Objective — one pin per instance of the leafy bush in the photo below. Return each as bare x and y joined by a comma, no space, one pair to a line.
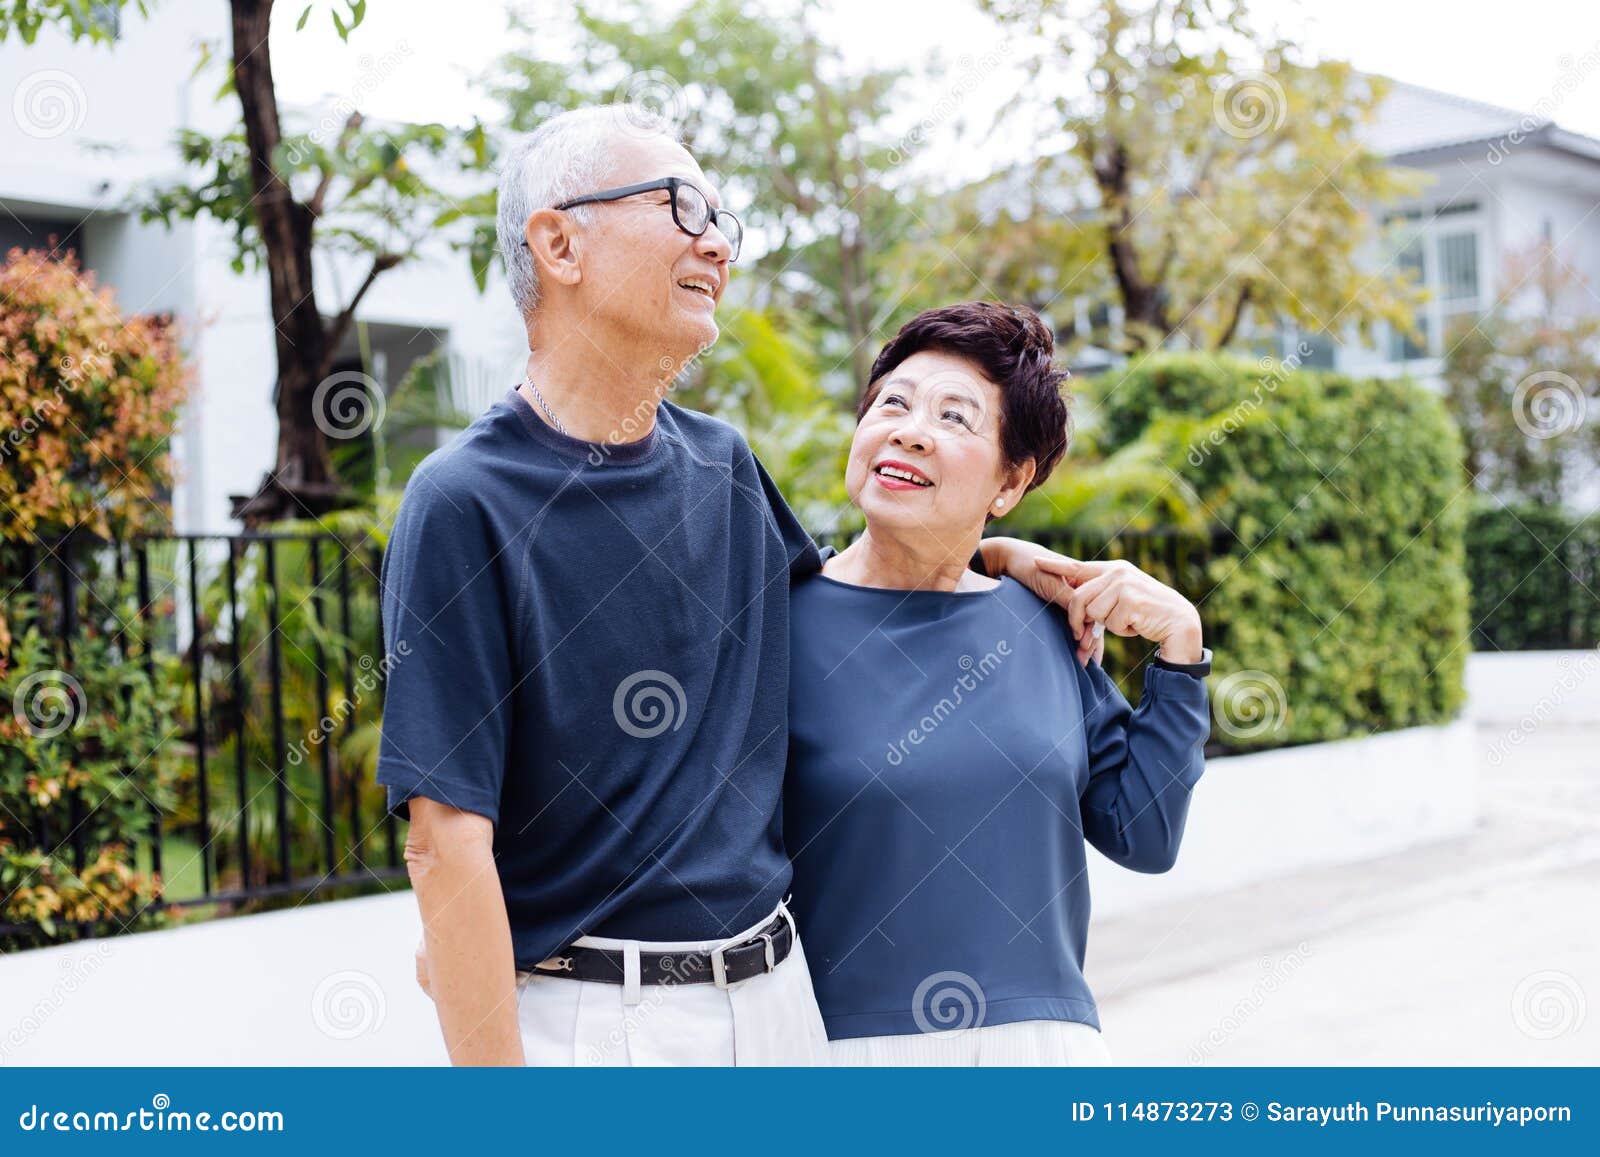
1334,596
86,753
88,400
1534,570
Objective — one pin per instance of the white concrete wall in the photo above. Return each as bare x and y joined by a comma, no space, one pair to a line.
1515,691
1257,816
326,984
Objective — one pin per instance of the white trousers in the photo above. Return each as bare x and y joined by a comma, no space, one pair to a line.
770,1019
1025,1043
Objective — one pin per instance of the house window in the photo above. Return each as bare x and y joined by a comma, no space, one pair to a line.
1403,347
1441,253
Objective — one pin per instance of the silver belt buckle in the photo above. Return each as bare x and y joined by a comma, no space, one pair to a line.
719,967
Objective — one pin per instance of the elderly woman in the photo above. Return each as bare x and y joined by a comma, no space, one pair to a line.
954,743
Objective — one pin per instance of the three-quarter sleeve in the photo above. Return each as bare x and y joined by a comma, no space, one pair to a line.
1142,764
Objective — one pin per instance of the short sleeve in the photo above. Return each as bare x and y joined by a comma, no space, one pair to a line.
804,558
447,615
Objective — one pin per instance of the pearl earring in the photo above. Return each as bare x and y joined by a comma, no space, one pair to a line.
999,503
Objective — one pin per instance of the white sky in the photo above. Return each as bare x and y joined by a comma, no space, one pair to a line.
1507,54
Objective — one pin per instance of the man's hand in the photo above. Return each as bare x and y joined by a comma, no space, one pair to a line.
1101,596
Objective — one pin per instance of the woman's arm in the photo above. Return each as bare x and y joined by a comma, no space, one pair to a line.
1143,764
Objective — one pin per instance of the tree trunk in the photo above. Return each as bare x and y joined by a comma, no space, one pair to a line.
302,482
1144,302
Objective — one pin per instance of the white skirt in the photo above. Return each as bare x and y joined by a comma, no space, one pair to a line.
1023,1043
771,1019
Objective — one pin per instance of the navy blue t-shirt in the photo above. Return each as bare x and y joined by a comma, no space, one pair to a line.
948,759
589,645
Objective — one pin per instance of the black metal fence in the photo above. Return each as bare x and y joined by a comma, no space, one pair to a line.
259,632
269,645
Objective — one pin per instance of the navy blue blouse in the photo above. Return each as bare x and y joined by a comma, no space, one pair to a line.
948,760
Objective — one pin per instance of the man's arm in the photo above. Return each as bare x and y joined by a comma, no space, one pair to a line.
471,965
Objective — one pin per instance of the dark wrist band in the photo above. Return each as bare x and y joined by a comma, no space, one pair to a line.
1199,670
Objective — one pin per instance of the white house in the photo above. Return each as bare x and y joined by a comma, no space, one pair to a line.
1501,184
93,123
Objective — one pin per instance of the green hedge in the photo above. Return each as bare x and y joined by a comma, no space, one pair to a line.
1335,596
1535,571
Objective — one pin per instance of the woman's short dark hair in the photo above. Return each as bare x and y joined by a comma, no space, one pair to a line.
1015,350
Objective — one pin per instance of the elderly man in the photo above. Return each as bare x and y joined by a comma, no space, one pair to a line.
586,727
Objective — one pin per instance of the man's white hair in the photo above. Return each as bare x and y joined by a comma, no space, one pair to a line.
565,157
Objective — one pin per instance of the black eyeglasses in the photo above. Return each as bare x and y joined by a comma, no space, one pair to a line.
691,212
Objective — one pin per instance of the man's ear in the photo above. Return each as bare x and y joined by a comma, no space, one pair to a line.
553,242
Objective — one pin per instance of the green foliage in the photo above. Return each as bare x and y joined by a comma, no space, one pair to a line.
88,401
1535,573
1337,512
87,751
801,142
78,18
1202,177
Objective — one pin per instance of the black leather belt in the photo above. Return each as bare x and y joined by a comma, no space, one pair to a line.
761,953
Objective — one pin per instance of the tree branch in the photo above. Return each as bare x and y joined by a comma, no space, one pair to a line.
1239,305
341,324
352,125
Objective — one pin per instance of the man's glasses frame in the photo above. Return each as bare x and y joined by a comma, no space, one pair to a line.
727,224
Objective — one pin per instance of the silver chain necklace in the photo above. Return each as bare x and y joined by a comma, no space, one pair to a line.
549,413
